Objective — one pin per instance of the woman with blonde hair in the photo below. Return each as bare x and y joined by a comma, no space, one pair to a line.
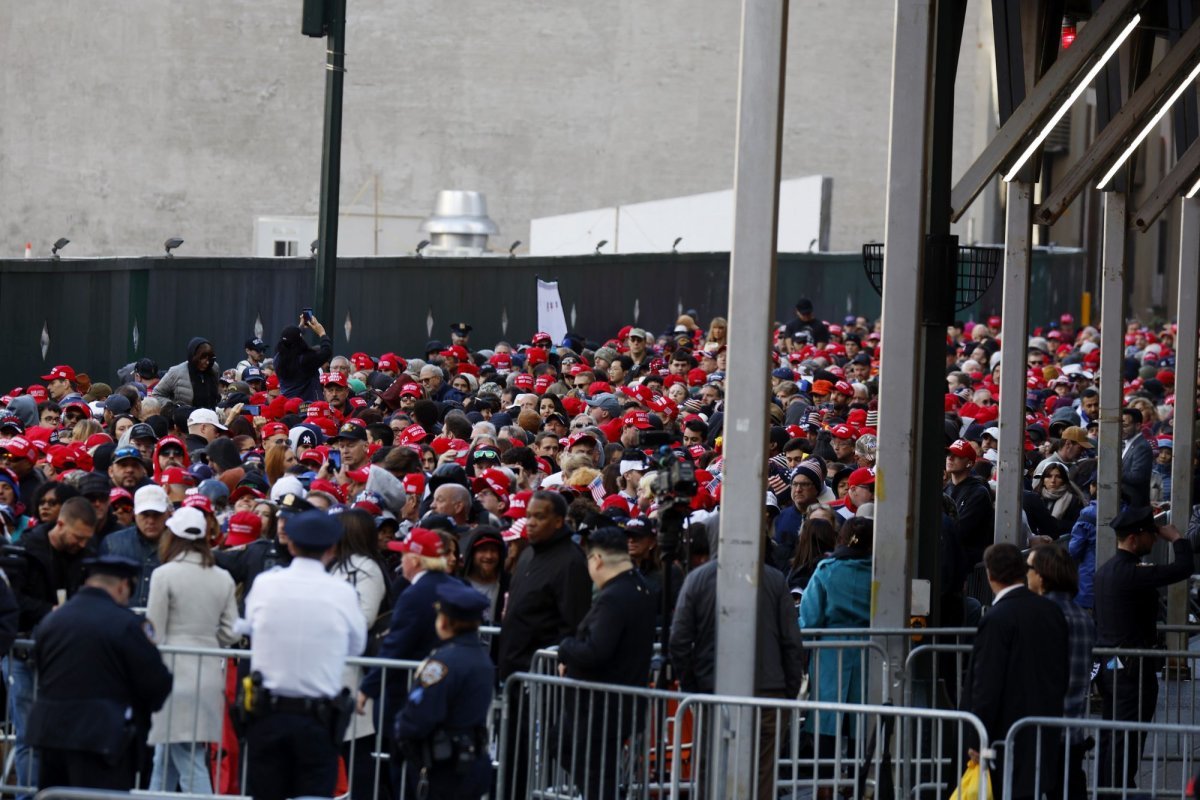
85,429
191,604
717,331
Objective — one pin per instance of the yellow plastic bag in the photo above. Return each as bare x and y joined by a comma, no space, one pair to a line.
968,787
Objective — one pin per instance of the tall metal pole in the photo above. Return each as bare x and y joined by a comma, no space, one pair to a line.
751,300
904,260
1018,242
1112,351
1188,316
331,167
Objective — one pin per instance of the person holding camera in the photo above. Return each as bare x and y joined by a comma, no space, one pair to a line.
297,364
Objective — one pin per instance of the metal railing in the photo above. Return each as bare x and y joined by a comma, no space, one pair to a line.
1064,758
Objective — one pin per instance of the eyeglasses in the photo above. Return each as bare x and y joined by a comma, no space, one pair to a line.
486,455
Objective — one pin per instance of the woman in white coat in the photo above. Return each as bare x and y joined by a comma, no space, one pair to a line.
191,604
357,562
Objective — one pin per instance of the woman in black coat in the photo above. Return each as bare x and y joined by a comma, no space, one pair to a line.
297,364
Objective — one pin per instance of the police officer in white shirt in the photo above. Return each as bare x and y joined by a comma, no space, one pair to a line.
304,624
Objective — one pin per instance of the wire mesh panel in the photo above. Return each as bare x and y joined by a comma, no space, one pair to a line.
977,268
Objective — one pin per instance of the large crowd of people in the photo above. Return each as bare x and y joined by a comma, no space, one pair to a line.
530,472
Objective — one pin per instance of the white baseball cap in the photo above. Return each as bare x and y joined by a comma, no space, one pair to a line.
188,523
205,415
151,498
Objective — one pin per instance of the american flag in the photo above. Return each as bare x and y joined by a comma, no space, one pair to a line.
712,485
597,489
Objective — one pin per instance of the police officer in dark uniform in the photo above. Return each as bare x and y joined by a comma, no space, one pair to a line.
442,729
460,333
1127,616
614,644
100,677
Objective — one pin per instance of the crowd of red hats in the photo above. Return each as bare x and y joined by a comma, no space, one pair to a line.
588,418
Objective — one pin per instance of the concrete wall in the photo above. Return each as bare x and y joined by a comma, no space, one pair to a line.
128,121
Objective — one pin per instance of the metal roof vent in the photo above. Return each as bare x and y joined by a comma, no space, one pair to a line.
459,225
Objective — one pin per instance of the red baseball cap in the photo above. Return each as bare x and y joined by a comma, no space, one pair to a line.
543,383
420,542
411,390
362,361
117,494
638,419
517,504
843,387
523,381
176,475
493,480
501,361
963,449
993,322
273,429
863,476
202,502
61,371
272,382
359,475
20,447
244,527
696,377
37,392
414,484
334,379
413,434
842,431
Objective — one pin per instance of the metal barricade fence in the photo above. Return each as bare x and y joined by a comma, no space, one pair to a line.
563,738
859,751
212,675
1061,758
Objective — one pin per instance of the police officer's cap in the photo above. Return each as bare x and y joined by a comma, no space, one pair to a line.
1134,519
460,601
461,328
116,566
314,530
293,504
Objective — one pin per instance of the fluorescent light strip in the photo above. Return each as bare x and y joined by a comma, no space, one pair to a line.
1162,112
1079,89
1192,192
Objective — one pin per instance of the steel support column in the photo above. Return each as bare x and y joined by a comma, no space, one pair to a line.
1018,242
325,280
1188,315
1112,351
751,294
904,259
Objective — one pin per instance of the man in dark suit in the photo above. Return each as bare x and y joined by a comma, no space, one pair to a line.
1137,459
1018,669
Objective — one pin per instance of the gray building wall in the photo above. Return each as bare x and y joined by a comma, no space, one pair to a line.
128,121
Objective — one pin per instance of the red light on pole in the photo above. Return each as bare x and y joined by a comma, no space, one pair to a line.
1068,33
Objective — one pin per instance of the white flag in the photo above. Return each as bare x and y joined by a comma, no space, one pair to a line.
550,310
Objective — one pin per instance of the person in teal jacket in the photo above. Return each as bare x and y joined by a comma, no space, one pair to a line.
839,596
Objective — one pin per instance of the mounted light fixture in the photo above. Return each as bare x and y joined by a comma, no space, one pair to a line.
171,244
1183,86
1079,89
1192,191
1068,32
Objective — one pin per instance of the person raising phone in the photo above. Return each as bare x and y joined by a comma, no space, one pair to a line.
297,364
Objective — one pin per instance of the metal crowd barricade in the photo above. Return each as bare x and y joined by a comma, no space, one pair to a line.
858,751
364,751
1059,757
564,739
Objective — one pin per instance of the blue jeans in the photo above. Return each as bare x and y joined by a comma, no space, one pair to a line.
182,764
21,681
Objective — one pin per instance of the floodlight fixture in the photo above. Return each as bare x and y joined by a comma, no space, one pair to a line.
1079,89
675,244
59,245
600,244
512,248
1183,86
421,245
171,244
